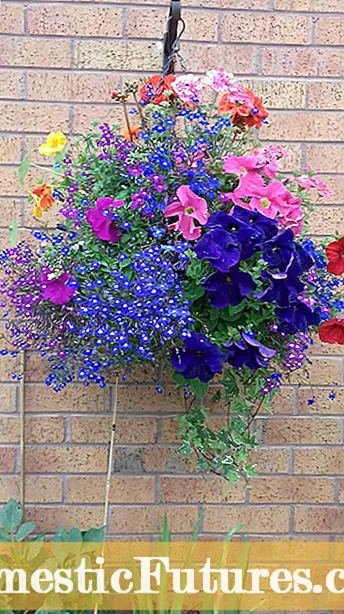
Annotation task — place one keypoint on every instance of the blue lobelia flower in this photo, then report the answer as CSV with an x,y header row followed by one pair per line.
x,y
265,226
220,248
230,288
296,317
199,358
248,352
247,236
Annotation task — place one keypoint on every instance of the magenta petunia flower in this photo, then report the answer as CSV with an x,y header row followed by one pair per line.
x,y
187,208
101,221
56,289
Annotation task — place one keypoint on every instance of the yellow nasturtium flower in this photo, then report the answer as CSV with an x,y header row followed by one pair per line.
x,y
56,141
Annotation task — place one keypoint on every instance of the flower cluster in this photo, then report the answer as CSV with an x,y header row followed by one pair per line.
x,y
182,244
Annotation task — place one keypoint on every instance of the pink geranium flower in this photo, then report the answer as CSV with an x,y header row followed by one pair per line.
x,y
187,208
56,289
101,221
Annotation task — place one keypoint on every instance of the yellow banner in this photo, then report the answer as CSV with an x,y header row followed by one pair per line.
x,y
239,576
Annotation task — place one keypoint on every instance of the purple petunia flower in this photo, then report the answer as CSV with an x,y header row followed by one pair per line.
x,y
229,288
199,358
220,248
279,251
248,352
56,289
239,230
296,317
101,221
266,227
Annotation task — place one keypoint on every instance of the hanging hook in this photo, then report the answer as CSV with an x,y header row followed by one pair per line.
x,y
172,38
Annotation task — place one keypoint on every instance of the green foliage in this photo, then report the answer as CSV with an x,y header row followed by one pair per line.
x,y
225,451
24,167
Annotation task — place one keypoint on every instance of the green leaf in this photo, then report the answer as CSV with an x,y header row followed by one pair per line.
x,y
24,167
13,230
75,535
200,389
25,530
4,536
179,379
94,535
11,515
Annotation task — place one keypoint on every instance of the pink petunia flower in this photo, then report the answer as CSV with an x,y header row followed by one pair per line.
x,y
56,289
187,208
273,201
101,221
246,168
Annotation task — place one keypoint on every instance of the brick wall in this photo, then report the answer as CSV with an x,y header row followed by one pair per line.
x,y
59,62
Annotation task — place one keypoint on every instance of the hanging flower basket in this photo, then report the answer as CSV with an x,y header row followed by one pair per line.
x,y
183,248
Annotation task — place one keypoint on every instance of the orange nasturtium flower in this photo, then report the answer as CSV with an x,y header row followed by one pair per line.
x,y
134,132
43,195
55,143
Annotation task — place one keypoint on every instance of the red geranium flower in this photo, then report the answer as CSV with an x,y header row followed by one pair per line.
x,y
250,113
335,254
332,331
154,90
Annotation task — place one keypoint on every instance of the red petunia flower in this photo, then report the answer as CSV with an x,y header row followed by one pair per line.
x,y
155,89
250,113
332,331
335,254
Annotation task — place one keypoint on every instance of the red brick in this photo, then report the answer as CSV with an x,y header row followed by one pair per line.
x,y
318,519
92,429
70,87
315,6
10,147
257,519
123,489
38,489
48,518
299,430
66,459
75,21
328,158
200,490
326,95
7,459
329,31
292,490
85,114
37,430
144,519
11,19
146,56
271,460
322,403
326,221
32,117
297,126
200,25
10,84
22,51
259,28
75,398
341,491
319,461
303,62
8,393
